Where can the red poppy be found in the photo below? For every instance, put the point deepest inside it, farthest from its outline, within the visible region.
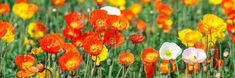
(92, 44)
(71, 33)
(128, 14)
(149, 69)
(98, 19)
(140, 25)
(69, 47)
(58, 2)
(70, 61)
(77, 41)
(231, 28)
(24, 62)
(126, 58)
(4, 8)
(5, 27)
(74, 20)
(21, 1)
(51, 43)
(233, 38)
(113, 38)
(164, 9)
(149, 55)
(117, 22)
(137, 38)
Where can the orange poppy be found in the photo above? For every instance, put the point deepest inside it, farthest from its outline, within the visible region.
(98, 19)
(128, 14)
(24, 62)
(200, 46)
(164, 22)
(140, 25)
(74, 20)
(51, 43)
(117, 22)
(164, 9)
(149, 55)
(69, 32)
(69, 47)
(190, 2)
(100, 2)
(113, 37)
(70, 61)
(191, 68)
(58, 2)
(164, 66)
(231, 28)
(126, 58)
(137, 38)
(233, 38)
(149, 69)
(4, 8)
(27, 73)
(21, 1)
(92, 44)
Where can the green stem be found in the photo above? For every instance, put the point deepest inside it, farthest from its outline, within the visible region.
(118, 73)
(87, 66)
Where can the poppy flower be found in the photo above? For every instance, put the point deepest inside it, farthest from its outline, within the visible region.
(92, 44)
(117, 22)
(149, 69)
(101, 57)
(164, 22)
(164, 9)
(149, 55)
(58, 2)
(140, 25)
(231, 28)
(99, 2)
(193, 55)
(211, 23)
(36, 29)
(169, 52)
(36, 50)
(70, 61)
(69, 32)
(233, 38)
(128, 14)
(51, 43)
(4, 8)
(113, 38)
(136, 8)
(137, 38)
(21, 1)
(145, 1)
(68, 47)
(189, 37)
(24, 62)
(25, 10)
(190, 2)
(74, 20)
(6, 32)
(126, 58)
(111, 10)
(27, 73)
(77, 41)
(98, 20)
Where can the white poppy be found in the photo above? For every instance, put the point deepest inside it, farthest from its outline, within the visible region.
(169, 51)
(111, 10)
(193, 55)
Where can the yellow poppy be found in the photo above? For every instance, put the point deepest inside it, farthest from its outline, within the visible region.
(102, 56)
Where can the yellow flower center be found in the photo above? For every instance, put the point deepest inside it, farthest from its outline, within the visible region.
(26, 65)
(74, 24)
(150, 56)
(168, 54)
(94, 48)
(71, 63)
(100, 22)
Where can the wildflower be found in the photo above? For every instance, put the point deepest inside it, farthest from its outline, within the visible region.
(164, 22)
(6, 32)
(189, 37)
(69, 32)
(149, 56)
(51, 43)
(36, 50)
(128, 14)
(164, 9)
(4, 8)
(137, 38)
(68, 47)
(190, 2)
(101, 57)
(169, 51)
(117, 22)
(111, 10)
(98, 20)
(74, 20)
(25, 10)
(27, 73)
(141, 25)
(126, 58)
(24, 62)
(70, 61)
(36, 29)
(211, 23)
(136, 8)
(113, 38)
(58, 2)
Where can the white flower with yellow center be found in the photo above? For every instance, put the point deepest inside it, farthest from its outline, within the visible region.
(169, 51)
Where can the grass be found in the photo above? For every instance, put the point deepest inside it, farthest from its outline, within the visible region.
(183, 17)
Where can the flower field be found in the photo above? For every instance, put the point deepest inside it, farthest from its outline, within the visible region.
(117, 38)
